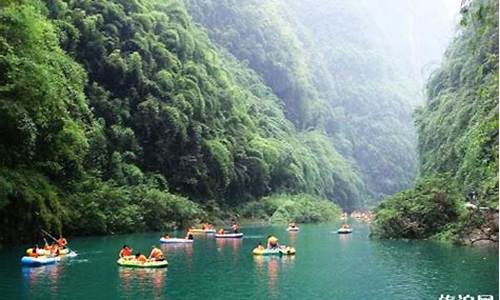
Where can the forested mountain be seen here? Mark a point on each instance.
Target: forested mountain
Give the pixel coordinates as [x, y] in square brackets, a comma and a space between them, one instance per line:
[457, 139]
[110, 108]
[458, 126]
[324, 61]
[119, 115]
[371, 94]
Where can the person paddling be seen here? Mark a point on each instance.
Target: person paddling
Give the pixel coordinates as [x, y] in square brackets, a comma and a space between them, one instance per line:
[54, 249]
[235, 227]
[125, 252]
[189, 235]
[62, 242]
[33, 252]
[259, 246]
[156, 254]
[46, 247]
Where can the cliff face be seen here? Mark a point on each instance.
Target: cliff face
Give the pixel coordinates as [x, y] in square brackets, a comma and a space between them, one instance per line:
[458, 125]
[485, 233]
[458, 142]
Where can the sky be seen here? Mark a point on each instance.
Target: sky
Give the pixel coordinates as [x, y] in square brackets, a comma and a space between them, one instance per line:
[452, 6]
[415, 32]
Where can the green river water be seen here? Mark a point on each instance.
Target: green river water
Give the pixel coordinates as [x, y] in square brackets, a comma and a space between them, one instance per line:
[327, 266]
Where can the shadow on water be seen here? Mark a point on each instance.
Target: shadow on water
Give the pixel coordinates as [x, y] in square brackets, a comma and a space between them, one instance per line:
[137, 283]
[270, 267]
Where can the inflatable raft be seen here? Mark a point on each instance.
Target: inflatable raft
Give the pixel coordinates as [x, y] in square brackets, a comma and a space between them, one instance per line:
[133, 263]
[293, 228]
[39, 261]
[229, 235]
[44, 260]
[344, 231]
[174, 240]
[278, 251]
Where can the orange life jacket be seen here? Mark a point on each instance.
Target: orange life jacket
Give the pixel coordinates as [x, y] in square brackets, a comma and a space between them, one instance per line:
[32, 252]
[62, 242]
[125, 252]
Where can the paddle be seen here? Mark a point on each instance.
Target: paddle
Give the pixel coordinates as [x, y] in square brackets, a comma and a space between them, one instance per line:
[55, 240]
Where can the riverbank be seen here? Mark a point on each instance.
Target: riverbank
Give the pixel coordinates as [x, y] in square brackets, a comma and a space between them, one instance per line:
[436, 209]
[147, 208]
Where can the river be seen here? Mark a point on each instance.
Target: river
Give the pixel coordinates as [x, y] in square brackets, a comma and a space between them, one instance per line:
[327, 266]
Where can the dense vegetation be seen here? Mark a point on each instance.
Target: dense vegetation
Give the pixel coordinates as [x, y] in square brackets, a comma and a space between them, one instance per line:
[458, 135]
[119, 116]
[458, 128]
[323, 61]
[283, 208]
[419, 212]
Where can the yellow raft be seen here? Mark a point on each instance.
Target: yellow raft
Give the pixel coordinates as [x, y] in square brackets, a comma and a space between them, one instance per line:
[134, 263]
[284, 250]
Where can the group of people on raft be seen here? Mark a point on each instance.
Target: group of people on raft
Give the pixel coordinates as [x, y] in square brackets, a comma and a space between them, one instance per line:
[126, 252]
[235, 228]
[207, 226]
[155, 255]
[272, 243]
[189, 235]
[53, 249]
[345, 226]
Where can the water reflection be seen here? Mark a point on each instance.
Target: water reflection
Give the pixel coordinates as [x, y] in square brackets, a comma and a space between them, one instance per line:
[186, 248]
[259, 262]
[272, 276]
[343, 238]
[43, 277]
[234, 244]
[292, 237]
[145, 282]
[270, 266]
